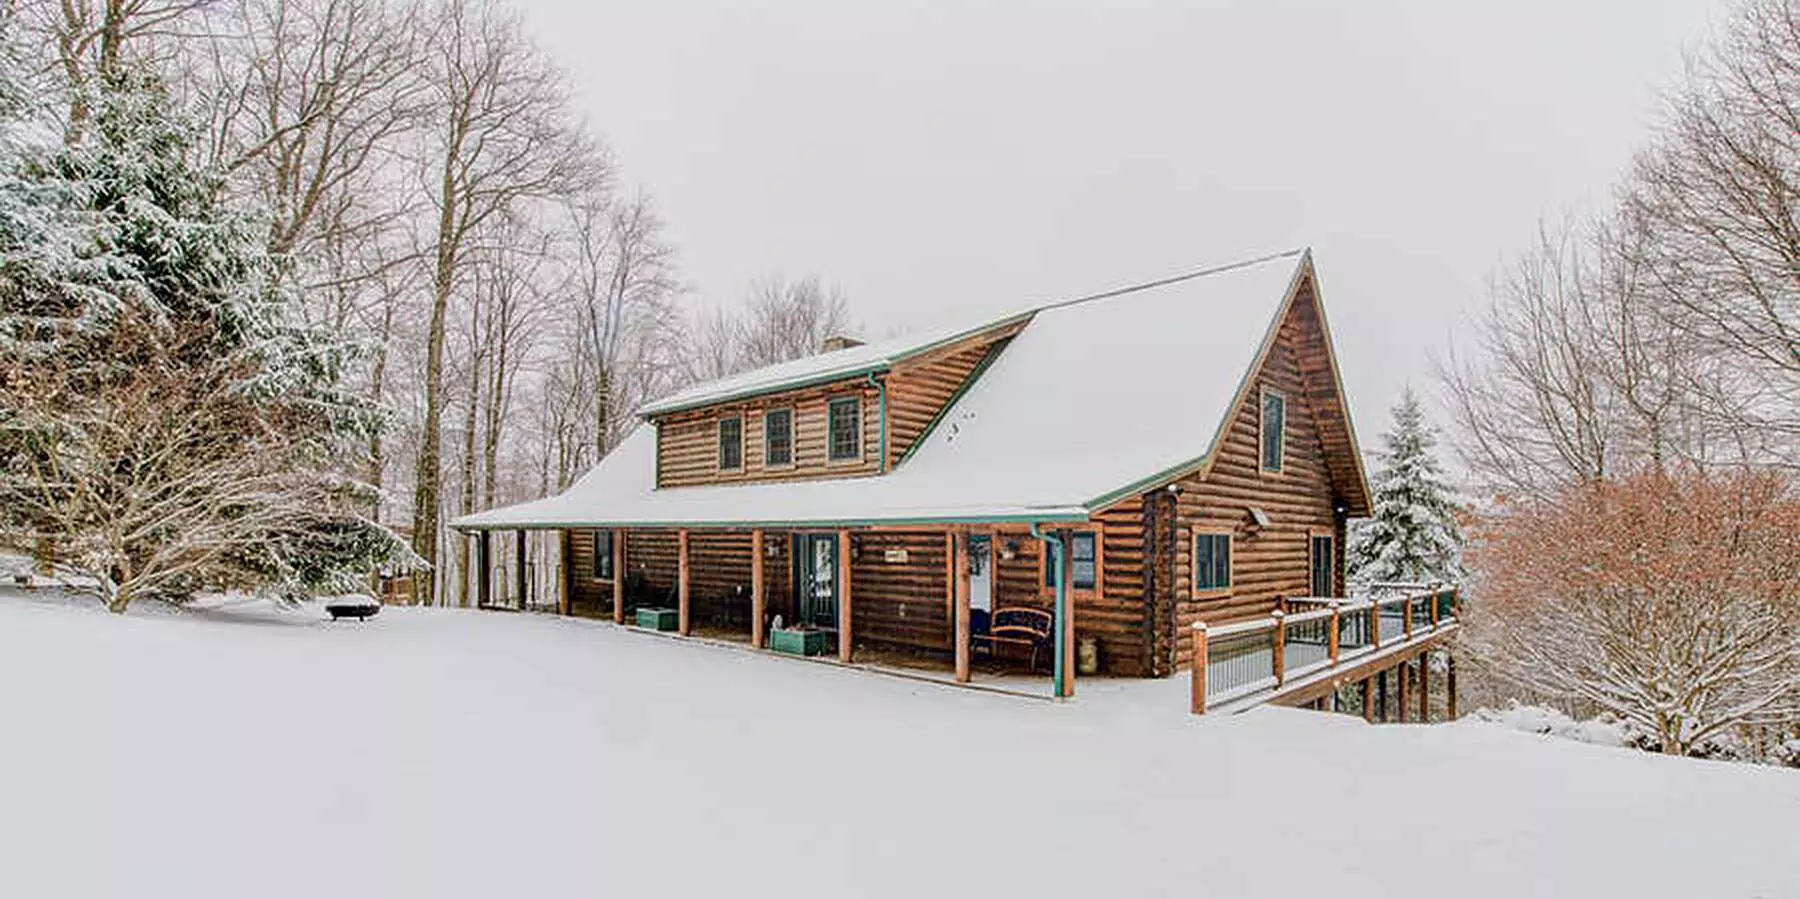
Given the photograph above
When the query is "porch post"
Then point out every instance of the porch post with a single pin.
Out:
(959, 563)
(1368, 699)
(1065, 616)
(950, 583)
(484, 586)
(1425, 687)
(681, 582)
(564, 567)
(845, 645)
(520, 582)
(757, 599)
(618, 550)
(1450, 685)
(1404, 673)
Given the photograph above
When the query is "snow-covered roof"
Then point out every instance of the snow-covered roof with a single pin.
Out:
(1096, 398)
(830, 366)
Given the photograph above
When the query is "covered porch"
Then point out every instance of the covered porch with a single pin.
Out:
(987, 604)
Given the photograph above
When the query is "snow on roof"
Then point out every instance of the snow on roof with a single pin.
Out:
(828, 366)
(1096, 398)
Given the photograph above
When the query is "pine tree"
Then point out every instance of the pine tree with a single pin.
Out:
(162, 420)
(1413, 535)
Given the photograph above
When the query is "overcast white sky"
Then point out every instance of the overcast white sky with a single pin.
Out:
(942, 161)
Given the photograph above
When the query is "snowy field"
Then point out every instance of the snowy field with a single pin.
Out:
(246, 752)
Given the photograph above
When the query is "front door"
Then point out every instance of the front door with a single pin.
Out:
(815, 579)
(981, 572)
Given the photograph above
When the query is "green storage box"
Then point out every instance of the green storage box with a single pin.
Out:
(798, 643)
(658, 619)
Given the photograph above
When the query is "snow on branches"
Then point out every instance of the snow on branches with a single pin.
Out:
(1669, 600)
(1413, 535)
(163, 424)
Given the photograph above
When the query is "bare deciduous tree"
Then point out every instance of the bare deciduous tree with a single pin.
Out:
(791, 319)
(503, 137)
(1668, 599)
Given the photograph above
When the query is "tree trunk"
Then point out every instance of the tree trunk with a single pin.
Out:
(602, 407)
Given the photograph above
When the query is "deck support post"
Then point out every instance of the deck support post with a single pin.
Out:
(618, 573)
(1403, 674)
(682, 623)
(1197, 685)
(1375, 625)
(845, 644)
(1450, 685)
(758, 592)
(520, 581)
(1332, 638)
(1406, 616)
(1368, 699)
(960, 575)
(1425, 687)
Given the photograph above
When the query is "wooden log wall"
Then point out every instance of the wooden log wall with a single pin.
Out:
(719, 564)
(1299, 499)
(918, 392)
(687, 443)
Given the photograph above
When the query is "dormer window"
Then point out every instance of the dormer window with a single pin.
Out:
(778, 438)
(843, 430)
(1274, 430)
(731, 444)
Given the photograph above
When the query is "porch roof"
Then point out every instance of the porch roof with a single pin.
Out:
(1095, 399)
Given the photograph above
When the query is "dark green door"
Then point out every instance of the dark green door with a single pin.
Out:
(815, 579)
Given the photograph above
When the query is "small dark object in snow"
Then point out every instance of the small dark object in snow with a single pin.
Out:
(359, 609)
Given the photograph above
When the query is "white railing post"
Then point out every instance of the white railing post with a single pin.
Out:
(1199, 672)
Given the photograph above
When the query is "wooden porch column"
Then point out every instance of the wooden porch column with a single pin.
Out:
(845, 644)
(484, 585)
(959, 599)
(757, 596)
(1425, 687)
(1450, 685)
(950, 583)
(565, 566)
(1368, 699)
(1403, 673)
(520, 581)
(681, 583)
(618, 551)
(1197, 674)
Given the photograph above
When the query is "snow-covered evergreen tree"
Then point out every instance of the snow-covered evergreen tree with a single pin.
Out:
(163, 423)
(1413, 535)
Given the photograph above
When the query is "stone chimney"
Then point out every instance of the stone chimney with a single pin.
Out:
(838, 342)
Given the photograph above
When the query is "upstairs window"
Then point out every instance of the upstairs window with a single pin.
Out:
(1212, 562)
(843, 431)
(731, 443)
(1274, 430)
(778, 438)
(603, 555)
(1082, 548)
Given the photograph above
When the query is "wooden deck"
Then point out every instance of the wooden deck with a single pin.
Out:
(1300, 656)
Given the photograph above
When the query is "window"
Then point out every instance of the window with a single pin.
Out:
(778, 438)
(843, 429)
(1082, 547)
(1212, 563)
(1274, 429)
(1323, 565)
(731, 443)
(603, 555)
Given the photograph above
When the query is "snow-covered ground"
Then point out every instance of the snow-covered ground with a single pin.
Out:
(247, 752)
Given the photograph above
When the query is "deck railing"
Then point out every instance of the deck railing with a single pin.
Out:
(1310, 635)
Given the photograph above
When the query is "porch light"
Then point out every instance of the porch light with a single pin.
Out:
(1009, 550)
(1258, 520)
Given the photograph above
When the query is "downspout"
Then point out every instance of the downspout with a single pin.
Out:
(881, 385)
(1055, 547)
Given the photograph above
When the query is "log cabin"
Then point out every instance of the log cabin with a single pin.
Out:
(1119, 472)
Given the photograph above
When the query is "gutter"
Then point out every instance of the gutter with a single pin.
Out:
(1057, 546)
